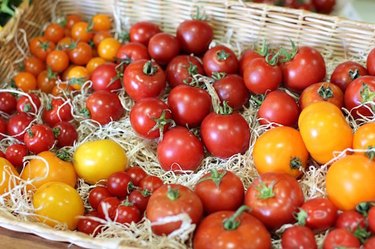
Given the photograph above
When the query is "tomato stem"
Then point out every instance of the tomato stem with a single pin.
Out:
(370, 153)
(127, 203)
(354, 74)
(325, 92)
(123, 37)
(85, 112)
(274, 59)
(288, 56)
(199, 15)
(172, 193)
(232, 223)
(149, 69)
(367, 94)
(218, 75)
(362, 234)
(161, 122)
(301, 217)
(63, 155)
(265, 192)
(56, 131)
(257, 100)
(30, 133)
(295, 163)
(27, 107)
(225, 109)
(263, 48)
(215, 176)
(363, 208)
(50, 74)
(222, 55)
(44, 45)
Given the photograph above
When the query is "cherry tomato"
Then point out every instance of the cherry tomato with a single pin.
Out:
(80, 53)
(140, 199)
(101, 22)
(323, 91)
(246, 57)
(108, 206)
(57, 111)
(8, 102)
(60, 89)
(220, 59)
(100, 36)
(54, 32)
(3, 128)
(119, 184)
(143, 31)
(81, 32)
(77, 76)
(18, 124)
(88, 225)
(340, 238)
(136, 173)
(8, 174)
(34, 65)
(370, 63)
(28, 103)
(128, 213)
(65, 134)
(108, 48)
(324, 6)
(346, 72)
(351, 221)
(25, 81)
(370, 243)
(364, 137)
(94, 63)
(65, 44)
(72, 19)
(163, 47)
(132, 51)
(15, 154)
(150, 183)
(298, 237)
(58, 60)
(46, 81)
(106, 77)
(41, 47)
(98, 194)
(181, 69)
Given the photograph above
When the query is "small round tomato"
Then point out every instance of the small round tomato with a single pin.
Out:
(18, 124)
(25, 81)
(88, 225)
(280, 150)
(119, 184)
(81, 32)
(94, 63)
(364, 137)
(98, 194)
(246, 57)
(370, 63)
(150, 183)
(60, 89)
(298, 237)
(371, 219)
(182, 68)
(7, 176)
(108, 48)
(65, 44)
(171, 200)
(163, 47)
(41, 47)
(101, 22)
(340, 238)
(323, 91)
(136, 173)
(15, 154)
(54, 32)
(107, 208)
(8, 102)
(58, 61)
(127, 213)
(346, 72)
(80, 53)
(89, 158)
(100, 36)
(3, 130)
(28, 103)
(370, 243)
(57, 111)
(132, 51)
(143, 31)
(34, 65)
(324, 6)
(77, 77)
(65, 134)
(220, 59)
(106, 77)
(46, 81)
(140, 199)
(351, 221)
(72, 19)
(39, 138)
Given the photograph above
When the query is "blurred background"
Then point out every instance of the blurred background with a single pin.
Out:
(360, 10)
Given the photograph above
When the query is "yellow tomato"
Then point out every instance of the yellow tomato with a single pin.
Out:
(97, 160)
(351, 180)
(364, 137)
(57, 202)
(101, 22)
(77, 76)
(7, 170)
(108, 47)
(324, 130)
(57, 170)
(280, 150)
(94, 63)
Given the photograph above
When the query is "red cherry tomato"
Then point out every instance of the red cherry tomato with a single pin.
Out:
(106, 77)
(370, 63)
(119, 184)
(88, 225)
(371, 219)
(346, 72)
(17, 125)
(151, 183)
(65, 133)
(246, 57)
(24, 104)
(126, 214)
(163, 48)
(57, 111)
(98, 194)
(181, 69)
(351, 221)
(136, 174)
(15, 154)
(39, 138)
(298, 237)
(220, 59)
(324, 6)
(340, 238)
(143, 31)
(370, 243)
(8, 103)
(108, 206)
(3, 128)
(132, 51)
(140, 199)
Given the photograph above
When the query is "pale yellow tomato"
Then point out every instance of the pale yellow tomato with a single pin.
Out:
(108, 47)
(6, 172)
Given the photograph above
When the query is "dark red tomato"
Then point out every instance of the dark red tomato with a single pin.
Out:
(8, 103)
(346, 72)
(144, 79)
(39, 138)
(306, 68)
(107, 207)
(261, 77)
(57, 111)
(106, 77)
(220, 191)
(350, 220)
(370, 243)
(371, 220)
(140, 199)
(220, 59)
(136, 173)
(28, 103)
(132, 51)
(231, 88)
(98, 194)
(359, 95)
(163, 48)
(370, 63)
(15, 154)
(324, 6)
(180, 150)
(298, 237)
(151, 183)
(194, 36)
(278, 107)
(65, 133)
(228, 229)
(88, 225)
(305, 6)
(149, 117)
(126, 214)
(225, 134)
(119, 184)
(18, 124)
(181, 69)
(2, 154)
(246, 57)
(318, 214)
(143, 31)
(340, 238)
(274, 198)
(189, 105)
(3, 128)
(171, 200)
(104, 107)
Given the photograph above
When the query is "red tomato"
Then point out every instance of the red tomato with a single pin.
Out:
(189, 105)
(323, 91)
(340, 238)
(143, 31)
(246, 57)
(41, 47)
(3, 128)
(127, 213)
(98, 194)
(88, 225)
(65, 133)
(80, 53)
(163, 48)
(194, 36)
(351, 221)
(171, 200)
(104, 107)
(39, 138)
(140, 199)
(8, 102)
(18, 124)
(30, 103)
(298, 237)
(119, 184)
(346, 72)
(150, 183)
(2, 154)
(220, 59)
(15, 154)
(144, 79)
(371, 62)
(108, 206)
(371, 219)
(132, 51)
(324, 6)
(106, 77)
(274, 198)
(180, 150)
(370, 243)
(181, 69)
(136, 173)
(57, 111)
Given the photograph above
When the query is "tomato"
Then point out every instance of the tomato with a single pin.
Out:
(346, 72)
(189, 105)
(163, 47)
(90, 157)
(57, 202)
(127, 213)
(54, 32)
(132, 51)
(101, 22)
(182, 68)
(323, 91)
(100, 36)
(150, 183)
(305, 68)
(280, 150)
(107, 208)
(72, 19)
(324, 131)
(220, 191)
(351, 180)
(77, 77)
(81, 32)
(228, 229)
(143, 31)
(98, 194)
(324, 6)
(225, 135)
(180, 150)
(65, 134)
(8, 102)
(60, 89)
(136, 174)
(371, 219)
(278, 107)
(15, 154)
(7, 176)
(261, 76)
(340, 238)
(39, 138)
(359, 96)
(370, 243)
(46, 81)
(25, 81)
(319, 214)
(150, 117)
(40, 47)
(3, 128)
(34, 65)
(28, 103)
(119, 184)
(298, 237)
(18, 124)
(246, 57)
(88, 225)
(144, 79)
(140, 199)
(94, 63)
(104, 107)
(106, 77)
(80, 53)
(58, 61)
(220, 59)
(65, 44)
(364, 137)
(171, 200)
(370, 62)
(273, 198)
(351, 221)
(57, 111)
(194, 36)
(108, 48)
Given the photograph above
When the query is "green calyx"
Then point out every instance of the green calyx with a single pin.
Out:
(218, 75)
(257, 100)
(173, 194)
(64, 155)
(295, 163)
(85, 112)
(149, 69)
(325, 92)
(161, 122)
(232, 223)
(224, 109)
(199, 14)
(222, 55)
(301, 217)
(354, 74)
(370, 153)
(288, 55)
(367, 94)
(123, 37)
(264, 48)
(265, 192)
(214, 176)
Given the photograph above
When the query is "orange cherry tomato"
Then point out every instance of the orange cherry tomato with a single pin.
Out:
(108, 47)
(54, 32)
(77, 76)
(94, 63)
(80, 53)
(7, 171)
(100, 36)
(364, 138)
(71, 20)
(65, 43)
(323, 91)
(81, 31)
(101, 22)
(46, 81)
(41, 47)
(58, 61)
(59, 89)
(25, 81)
(64, 76)
(34, 65)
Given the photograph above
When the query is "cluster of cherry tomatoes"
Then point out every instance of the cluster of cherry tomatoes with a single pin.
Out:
(320, 6)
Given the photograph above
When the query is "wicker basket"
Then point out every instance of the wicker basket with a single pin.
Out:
(333, 36)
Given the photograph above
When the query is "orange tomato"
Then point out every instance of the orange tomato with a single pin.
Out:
(108, 47)
(80, 53)
(25, 81)
(100, 36)
(94, 63)
(7, 170)
(71, 20)
(324, 130)
(364, 138)
(77, 76)
(41, 47)
(54, 32)
(351, 180)
(280, 150)
(58, 61)
(34, 65)
(65, 44)
(323, 91)
(101, 22)
(46, 81)
(59, 89)
(81, 31)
